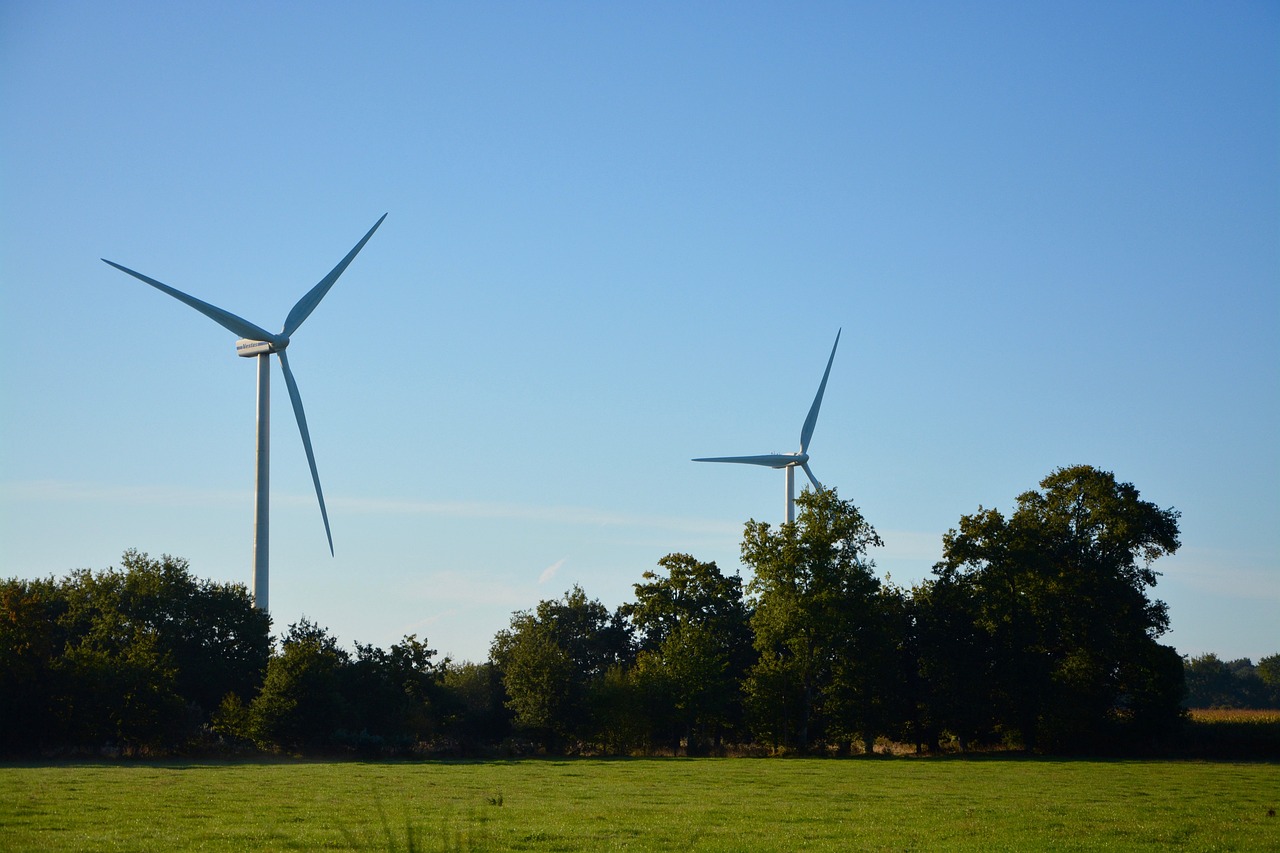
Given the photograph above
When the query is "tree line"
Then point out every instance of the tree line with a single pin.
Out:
(1035, 630)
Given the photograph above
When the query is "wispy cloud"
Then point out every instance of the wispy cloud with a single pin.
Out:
(573, 515)
(62, 491)
(550, 571)
(56, 490)
(1222, 572)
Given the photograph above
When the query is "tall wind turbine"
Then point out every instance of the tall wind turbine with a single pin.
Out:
(789, 461)
(256, 341)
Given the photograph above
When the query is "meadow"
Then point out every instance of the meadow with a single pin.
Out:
(989, 803)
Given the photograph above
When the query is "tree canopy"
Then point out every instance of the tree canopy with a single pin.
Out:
(1037, 629)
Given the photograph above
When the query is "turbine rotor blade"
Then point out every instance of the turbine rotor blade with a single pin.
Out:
(225, 319)
(770, 460)
(302, 310)
(306, 440)
(812, 479)
(806, 431)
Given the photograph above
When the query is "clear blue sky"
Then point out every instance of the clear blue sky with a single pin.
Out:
(622, 236)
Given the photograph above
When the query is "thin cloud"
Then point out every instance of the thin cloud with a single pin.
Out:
(58, 491)
(55, 490)
(550, 571)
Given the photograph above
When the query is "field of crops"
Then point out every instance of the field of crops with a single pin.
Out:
(659, 804)
(1236, 715)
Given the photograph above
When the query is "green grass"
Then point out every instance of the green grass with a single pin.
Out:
(662, 804)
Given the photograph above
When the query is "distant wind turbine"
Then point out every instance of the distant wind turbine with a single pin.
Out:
(789, 461)
(256, 341)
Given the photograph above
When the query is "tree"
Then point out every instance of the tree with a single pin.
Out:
(1060, 587)
(301, 705)
(473, 713)
(137, 656)
(31, 642)
(1269, 672)
(954, 658)
(814, 594)
(694, 649)
(551, 657)
(216, 640)
(390, 696)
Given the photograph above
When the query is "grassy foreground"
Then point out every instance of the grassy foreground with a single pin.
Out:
(660, 804)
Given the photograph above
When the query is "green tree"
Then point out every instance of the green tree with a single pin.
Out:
(954, 660)
(1061, 589)
(32, 639)
(301, 705)
(1269, 672)
(390, 696)
(215, 639)
(694, 649)
(473, 710)
(814, 593)
(551, 657)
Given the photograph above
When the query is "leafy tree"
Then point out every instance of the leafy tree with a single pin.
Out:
(1269, 672)
(473, 709)
(135, 656)
(390, 696)
(1060, 587)
(869, 694)
(814, 595)
(216, 640)
(549, 659)
(301, 705)
(695, 647)
(31, 642)
(955, 660)
(1215, 683)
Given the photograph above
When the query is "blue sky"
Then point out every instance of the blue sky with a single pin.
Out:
(621, 236)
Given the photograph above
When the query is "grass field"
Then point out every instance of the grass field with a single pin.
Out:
(639, 804)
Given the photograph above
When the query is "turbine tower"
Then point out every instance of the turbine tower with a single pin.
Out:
(258, 342)
(789, 461)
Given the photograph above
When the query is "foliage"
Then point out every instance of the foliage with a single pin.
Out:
(1214, 683)
(694, 650)
(1059, 590)
(814, 597)
(136, 657)
(473, 713)
(550, 659)
(1036, 631)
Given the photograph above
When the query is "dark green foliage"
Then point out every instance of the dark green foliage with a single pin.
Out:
(1214, 683)
(694, 650)
(1036, 630)
(473, 713)
(301, 705)
(552, 657)
(822, 641)
(135, 657)
(1059, 590)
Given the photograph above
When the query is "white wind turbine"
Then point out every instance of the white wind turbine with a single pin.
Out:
(789, 461)
(256, 341)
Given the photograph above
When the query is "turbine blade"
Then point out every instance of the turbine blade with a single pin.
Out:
(225, 319)
(812, 479)
(306, 440)
(806, 432)
(770, 460)
(308, 303)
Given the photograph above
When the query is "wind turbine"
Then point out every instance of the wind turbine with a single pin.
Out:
(789, 461)
(256, 341)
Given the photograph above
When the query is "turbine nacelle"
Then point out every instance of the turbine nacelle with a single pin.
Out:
(247, 348)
